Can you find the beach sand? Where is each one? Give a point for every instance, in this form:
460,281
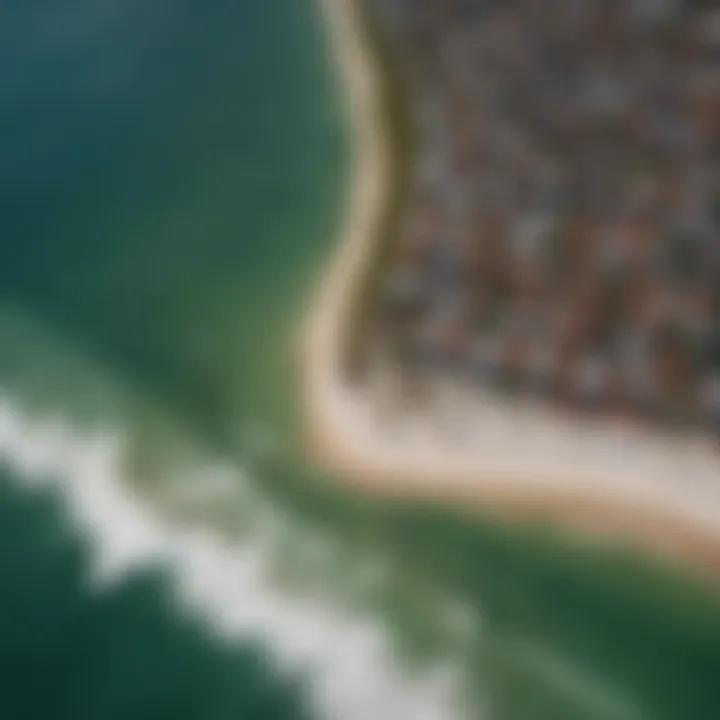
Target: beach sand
484,455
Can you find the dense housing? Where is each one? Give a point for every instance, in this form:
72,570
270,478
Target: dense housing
563,233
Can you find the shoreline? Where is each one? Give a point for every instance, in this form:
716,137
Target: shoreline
647,492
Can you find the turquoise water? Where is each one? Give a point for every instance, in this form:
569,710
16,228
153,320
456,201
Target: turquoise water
162,166
170,184
170,177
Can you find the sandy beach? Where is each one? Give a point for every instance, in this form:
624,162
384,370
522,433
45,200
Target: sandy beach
472,451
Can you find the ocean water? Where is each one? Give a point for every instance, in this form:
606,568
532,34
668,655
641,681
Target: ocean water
75,648
171,176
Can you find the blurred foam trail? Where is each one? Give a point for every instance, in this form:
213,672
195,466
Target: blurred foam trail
353,671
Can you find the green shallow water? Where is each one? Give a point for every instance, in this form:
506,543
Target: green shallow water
170,184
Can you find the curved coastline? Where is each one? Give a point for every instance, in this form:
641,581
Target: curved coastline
660,494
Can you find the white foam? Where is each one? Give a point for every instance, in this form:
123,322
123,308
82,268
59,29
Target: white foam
353,670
